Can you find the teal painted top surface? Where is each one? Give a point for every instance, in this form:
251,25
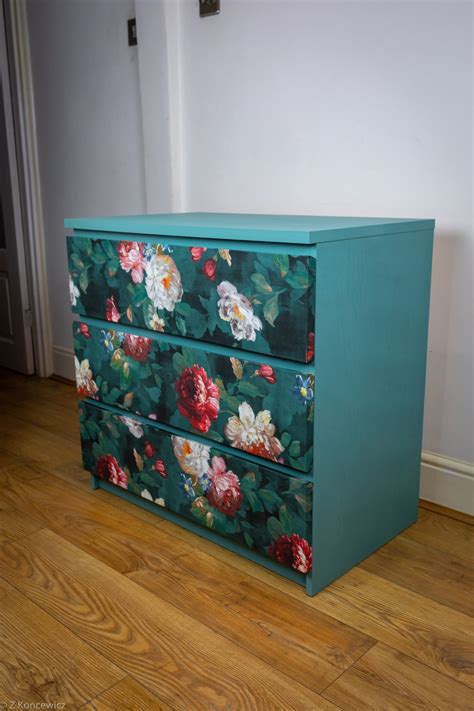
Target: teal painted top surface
290,229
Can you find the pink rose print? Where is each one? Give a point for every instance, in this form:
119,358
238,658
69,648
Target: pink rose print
84,330
132,259
209,269
224,490
196,253
267,372
159,466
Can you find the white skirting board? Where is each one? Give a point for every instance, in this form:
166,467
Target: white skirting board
63,362
448,482
445,481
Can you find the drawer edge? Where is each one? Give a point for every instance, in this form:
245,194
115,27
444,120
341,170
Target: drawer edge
224,448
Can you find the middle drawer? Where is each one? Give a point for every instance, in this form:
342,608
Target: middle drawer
260,409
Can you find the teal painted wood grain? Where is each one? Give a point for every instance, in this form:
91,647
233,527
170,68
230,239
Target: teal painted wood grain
293,250
289,229
372,301
372,304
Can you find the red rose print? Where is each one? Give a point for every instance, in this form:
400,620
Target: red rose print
293,551
149,450
159,466
132,259
224,490
209,269
267,372
109,469
87,388
310,348
196,253
137,347
198,397
84,330
111,310
282,550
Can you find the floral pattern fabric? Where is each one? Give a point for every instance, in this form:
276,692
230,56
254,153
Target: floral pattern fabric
229,400
254,301
254,506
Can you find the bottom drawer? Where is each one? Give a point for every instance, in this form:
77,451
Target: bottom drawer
255,506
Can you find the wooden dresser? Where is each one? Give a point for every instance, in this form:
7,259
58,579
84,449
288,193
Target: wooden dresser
257,379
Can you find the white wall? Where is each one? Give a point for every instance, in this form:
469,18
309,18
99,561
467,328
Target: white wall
87,103
358,108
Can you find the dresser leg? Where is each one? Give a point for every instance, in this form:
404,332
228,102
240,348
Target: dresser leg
95,482
310,586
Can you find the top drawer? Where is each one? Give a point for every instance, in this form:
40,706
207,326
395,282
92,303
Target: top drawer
257,301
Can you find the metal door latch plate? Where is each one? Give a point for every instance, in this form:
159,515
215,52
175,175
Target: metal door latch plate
209,7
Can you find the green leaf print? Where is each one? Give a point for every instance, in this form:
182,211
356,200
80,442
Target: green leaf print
271,310
261,284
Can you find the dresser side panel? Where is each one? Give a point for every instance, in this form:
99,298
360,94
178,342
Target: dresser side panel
372,305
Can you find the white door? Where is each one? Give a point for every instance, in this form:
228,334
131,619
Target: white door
16,344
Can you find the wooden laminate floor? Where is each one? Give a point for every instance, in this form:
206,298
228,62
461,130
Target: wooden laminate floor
105,606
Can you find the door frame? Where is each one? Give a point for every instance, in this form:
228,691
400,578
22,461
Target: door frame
20,78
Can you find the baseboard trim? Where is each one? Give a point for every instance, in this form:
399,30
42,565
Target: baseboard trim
63,363
448,482
444,481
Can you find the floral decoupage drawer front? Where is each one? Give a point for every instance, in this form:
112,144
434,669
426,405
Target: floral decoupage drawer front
254,506
256,301
263,410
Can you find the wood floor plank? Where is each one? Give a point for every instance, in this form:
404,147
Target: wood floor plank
432,633
435,574
410,623
255,628
51,503
7,459
43,662
444,534
35,388
13,523
181,661
71,472
64,381
388,680
50,416
444,511
122,505
14,526
35,445
258,618
18,471
260,621
429,632
126,695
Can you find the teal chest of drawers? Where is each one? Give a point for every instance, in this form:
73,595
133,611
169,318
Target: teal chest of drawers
257,379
